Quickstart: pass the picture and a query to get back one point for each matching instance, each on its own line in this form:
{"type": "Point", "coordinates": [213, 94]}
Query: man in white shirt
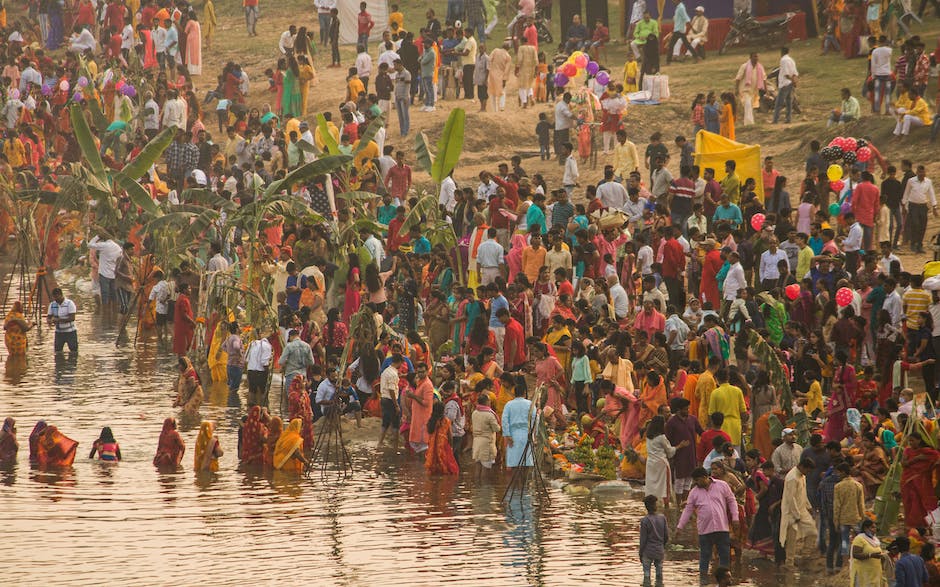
{"type": "Point", "coordinates": [30, 76]}
{"type": "Point", "coordinates": [286, 43]}
{"type": "Point", "coordinates": [893, 304]}
{"type": "Point", "coordinates": [257, 362]}
{"type": "Point", "coordinates": [364, 66]}
{"type": "Point", "coordinates": [490, 258]}
{"type": "Point", "coordinates": [82, 40]}
{"type": "Point", "coordinates": [217, 262]}
{"type": "Point", "coordinates": [918, 194]}
{"type": "Point", "coordinates": [677, 333]}
{"type": "Point", "coordinates": [448, 188]}
{"type": "Point", "coordinates": [611, 193]}
{"type": "Point", "coordinates": [644, 256]}
{"type": "Point", "coordinates": [786, 82]}
{"type": "Point", "coordinates": [634, 208]}
{"type": "Point", "coordinates": [881, 62]}
{"type": "Point", "coordinates": [734, 281]}
{"type": "Point", "coordinates": [487, 186]}
{"type": "Point", "coordinates": [564, 122]}
{"type": "Point", "coordinates": [388, 392]}
{"type": "Point", "coordinates": [323, 16]}
{"type": "Point", "coordinates": [174, 111]}
{"type": "Point", "coordinates": [374, 246]}
{"type": "Point", "coordinates": [389, 56]}
{"type": "Point", "coordinates": [618, 296]}
{"type": "Point", "coordinates": [852, 243]}
{"type": "Point", "coordinates": [570, 178]}
{"type": "Point", "coordinates": [768, 272]}
{"type": "Point", "coordinates": [109, 252]}
{"type": "Point", "coordinates": [62, 315]}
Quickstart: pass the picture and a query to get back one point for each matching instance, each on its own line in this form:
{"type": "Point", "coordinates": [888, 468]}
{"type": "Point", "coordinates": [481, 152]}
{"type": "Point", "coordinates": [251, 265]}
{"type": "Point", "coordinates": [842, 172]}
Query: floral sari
{"type": "Point", "coordinates": [52, 448]}
{"type": "Point", "coordinates": [275, 429]}
{"type": "Point", "coordinates": [917, 488]}
{"type": "Point", "coordinates": [16, 327]}
{"type": "Point", "coordinates": [206, 443]}
{"type": "Point", "coordinates": [298, 404]}
{"type": "Point", "coordinates": [289, 442]}
{"type": "Point", "coordinates": [440, 455]}
{"type": "Point", "coordinates": [189, 393]}
{"type": "Point", "coordinates": [254, 434]}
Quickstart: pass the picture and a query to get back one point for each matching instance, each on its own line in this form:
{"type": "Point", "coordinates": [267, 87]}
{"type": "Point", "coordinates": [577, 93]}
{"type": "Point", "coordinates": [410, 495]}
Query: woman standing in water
{"type": "Point", "coordinates": [106, 447]}
{"type": "Point", "coordinates": [8, 444]}
{"type": "Point", "coordinates": [16, 328]}
{"type": "Point", "coordinates": [440, 458]}
{"type": "Point", "coordinates": [275, 429]}
{"type": "Point", "coordinates": [170, 447]}
{"type": "Point", "coordinates": [254, 435]}
{"type": "Point", "coordinates": [188, 388]}
{"type": "Point", "coordinates": [208, 449]}
{"type": "Point", "coordinates": [289, 451]}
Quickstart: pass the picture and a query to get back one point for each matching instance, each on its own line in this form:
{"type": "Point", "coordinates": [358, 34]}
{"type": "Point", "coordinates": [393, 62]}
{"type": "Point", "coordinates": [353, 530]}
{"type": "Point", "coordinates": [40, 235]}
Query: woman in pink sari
{"type": "Point", "coordinates": [620, 403]}
{"type": "Point", "coordinates": [514, 257]}
{"type": "Point", "coordinates": [193, 45]}
{"type": "Point", "coordinates": [844, 384]}
{"type": "Point", "coordinates": [550, 373]}
{"type": "Point", "coordinates": [352, 296]}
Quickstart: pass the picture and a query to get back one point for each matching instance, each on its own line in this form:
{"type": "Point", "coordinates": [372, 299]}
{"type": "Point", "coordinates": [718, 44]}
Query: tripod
{"type": "Point", "coordinates": [329, 448]}
{"type": "Point", "coordinates": [33, 292]}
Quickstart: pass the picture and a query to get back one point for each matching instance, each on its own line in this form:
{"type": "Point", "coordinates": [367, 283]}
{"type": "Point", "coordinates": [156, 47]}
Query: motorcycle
{"type": "Point", "coordinates": [517, 25]}
{"type": "Point", "coordinates": [745, 29]}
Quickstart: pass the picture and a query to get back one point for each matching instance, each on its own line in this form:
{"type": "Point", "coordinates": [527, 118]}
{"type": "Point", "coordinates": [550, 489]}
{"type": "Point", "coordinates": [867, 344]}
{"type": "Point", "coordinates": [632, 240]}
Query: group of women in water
{"type": "Point", "coordinates": [263, 441]}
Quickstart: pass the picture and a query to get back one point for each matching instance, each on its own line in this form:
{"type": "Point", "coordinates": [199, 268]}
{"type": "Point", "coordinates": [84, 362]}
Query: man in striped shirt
{"type": "Point", "coordinates": [916, 301]}
{"type": "Point", "coordinates": [681, 194]}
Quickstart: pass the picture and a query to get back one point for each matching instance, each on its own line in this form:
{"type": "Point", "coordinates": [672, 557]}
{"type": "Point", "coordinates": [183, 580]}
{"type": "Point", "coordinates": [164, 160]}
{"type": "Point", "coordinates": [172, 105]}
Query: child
{"type": "Point", "coordinates": [654, 535]}
{"type": "Point", "coordinates": [353, 85]}
{"type": "Point", "coordinates": [631, 74]}
{"type": "Point", "coordinates": [581, 376]}
{"type": "Point", "coordinates": [349, 401]}
{"type": "Point", "coordinates": [160, 296]}
{"type": "Point", "coordinates": [541, 79]}
{"type": "Point", "coordinates": [334, 36]}
{"type": "Point", "coordinates": [814, 401]}
{"type": "Point", "coordinates": [543, 130]}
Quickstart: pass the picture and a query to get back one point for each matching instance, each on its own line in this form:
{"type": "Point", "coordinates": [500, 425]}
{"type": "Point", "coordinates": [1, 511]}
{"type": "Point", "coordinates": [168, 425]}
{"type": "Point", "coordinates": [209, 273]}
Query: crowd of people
{"type": "Point", "coordinates": [692, 323]}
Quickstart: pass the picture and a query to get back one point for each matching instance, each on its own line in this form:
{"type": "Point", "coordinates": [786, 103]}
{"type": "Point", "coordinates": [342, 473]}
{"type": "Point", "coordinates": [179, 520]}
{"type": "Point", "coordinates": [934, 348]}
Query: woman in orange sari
{"type": "Point", "coordinates": [254, 435]}
{"type": "Point", "coordinates": [170, 447]}
{"type": "Point", "coordinates": [917, 490]}
{"type": "Point", "coordinates": [652, 396]}
{"type": "Point", "coordinates": [298, 406]}
{"type": "Point", "coordinates": [208, 449]}
{"type": "Point", "coordinates": [50, 448]}
{"type": "Point", "coordinates": [16, 327]}
{"type": "Point", "coordinates": [440, 456]}
{"type": "Point", "coordinates": [726, 116]}
{"type": "Point", "coordinates": [288, 452]}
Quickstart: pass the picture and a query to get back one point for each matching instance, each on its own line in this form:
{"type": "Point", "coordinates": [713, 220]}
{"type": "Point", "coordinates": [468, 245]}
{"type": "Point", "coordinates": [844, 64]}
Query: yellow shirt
{"type": "Point", "coordinates": [396, 17]}
{"type": "Point", "coordinates": [920, 110]}
{"type": "Point", "coordinates": [15, 152]}
{"type": "Point", "coordinates": [353, 88]}
{"type": "Point", "coordinates": [366, 156]}
{"type": "Point", "coordinates": [626, 159]}
{"type": "Point", "coordinates": [334, 132]}
{"type": "Point", "coordinates": [814, 399]}
{"type": "Point", "coordinates": [631, 71]}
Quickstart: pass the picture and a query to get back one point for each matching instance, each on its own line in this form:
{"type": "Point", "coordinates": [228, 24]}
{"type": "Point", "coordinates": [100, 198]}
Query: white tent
{"type": "Point", "coordinates": [349, 21]}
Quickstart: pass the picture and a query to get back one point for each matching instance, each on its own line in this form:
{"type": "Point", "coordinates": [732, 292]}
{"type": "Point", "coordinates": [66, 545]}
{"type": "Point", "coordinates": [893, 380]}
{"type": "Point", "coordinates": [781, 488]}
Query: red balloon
{"type": "Point", "coordinates": [844, 297]}
{"type": "Point", "coordinates": [570, 69]}
{"type": "Point", "coordinates": [849, 144]}
{"type": "Point", "coordinates": [837, 185]}
{"type": "Point", "coordinates": [757, 221]}
{"type": "Point", "coordinates": [792, 291]}
{"type": "Point", "coordinates": [863, 154]}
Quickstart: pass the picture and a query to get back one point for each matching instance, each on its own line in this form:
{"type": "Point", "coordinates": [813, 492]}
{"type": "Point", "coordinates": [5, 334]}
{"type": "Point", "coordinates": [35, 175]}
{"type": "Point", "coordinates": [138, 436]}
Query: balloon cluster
{"type": "Point", "coordinates": [576, 64]}
{"type": "Point", "coordinates": [847, 149]}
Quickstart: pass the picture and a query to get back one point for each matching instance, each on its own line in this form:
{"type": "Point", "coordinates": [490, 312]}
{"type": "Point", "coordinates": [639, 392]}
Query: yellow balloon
{"type": "Point", "coordinates": [834, 173]}
{"type": "Point", "coordinates": [576, 54]}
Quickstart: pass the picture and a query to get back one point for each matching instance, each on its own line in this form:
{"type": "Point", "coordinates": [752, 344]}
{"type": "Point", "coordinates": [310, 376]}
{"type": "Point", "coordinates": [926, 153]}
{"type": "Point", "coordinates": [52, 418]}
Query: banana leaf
{"type": "Point", "coordinates": [86, 141]}
{"type": "Point", "coordinates": [175, 220]}
{"type": "Point", "coordinates": [138, 195]}
{"type": "Point", "coordinates": [369, 134]}
{"type": "Point", "coordinates": [330, 146]}
{"type": "Point", "coordinates": [357, 196]}
{"type": "Point", "coordinates": [449, 146]}
{"type": "Point", "coordinates": [308, 172]}
{"type": "Point", "coordinates": [425, 208]}
{"type": "Point", "coordinates": [423, 152]}
{"type": "Point", "coordinates": [204, 198]}
{"type": "Point", "coordinates": [101, 121]}
{"type": "Point", "coordinates": [150, 154]}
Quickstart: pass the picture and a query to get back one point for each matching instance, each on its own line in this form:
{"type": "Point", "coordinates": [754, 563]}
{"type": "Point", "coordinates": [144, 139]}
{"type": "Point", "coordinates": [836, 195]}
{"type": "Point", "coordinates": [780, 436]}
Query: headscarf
{"type": "Point", "coordinates": [253, 434]}
{"type": "Point", "coordinates": [289, 442]}
{"type": "Point", "coordinates": [203, 442]}
{"type": "Point", "coordinates": [275, 429]}
{"type": "Point", "coordinates": [167, 445]}
{"type": "Point", "coordinates": [8, 444]}
{"type": "Point", "coordinates": [8, 425]}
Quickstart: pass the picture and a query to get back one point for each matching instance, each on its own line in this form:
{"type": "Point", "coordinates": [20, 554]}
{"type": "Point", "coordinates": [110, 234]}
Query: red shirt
{"type": "Point", "coordinates": [515, 335]}
{"type": "Point", "coordinates": [365, 23]}
{"type": "Point", "coordinates": [114, 15]}
{"type": "Point", "coordinates": [565, 288]}
{"type": "Point", "coordinates": [673, 258]}
{"type": "Point", "coordinates": [769, 179]}
{"type": "Point", "coordinates": [114, 45]}
{"type": "Point", "coordinates": [394, 240]}
{"type": "Point", "coordinates": [86, 14]}
{"type": "Point", "coordinates": [865, 200]}
{"type": "Point", "coordinates": [705, 442]}
{"type": "Point", "coordinates": [531, 36]}
{"type": "Point", "coordinates": [398, 180]}
{"type": "Point", "coordinates": [146, 15]}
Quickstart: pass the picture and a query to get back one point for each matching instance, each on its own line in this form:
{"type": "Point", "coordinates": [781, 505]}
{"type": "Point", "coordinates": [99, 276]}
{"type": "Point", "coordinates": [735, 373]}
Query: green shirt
{"type": "Point", "coordinates": [850, 107]}
{"type": "Point", "coordinates": [644, 29]}
{"type": "Point", "coordinates": [731, 185]}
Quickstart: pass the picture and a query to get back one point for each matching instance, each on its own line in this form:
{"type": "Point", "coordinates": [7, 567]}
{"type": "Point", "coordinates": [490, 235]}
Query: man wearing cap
{"type": "Point", "coordinates": [698, 32]}
{"type": "Point", "coordinates": [788, 454]}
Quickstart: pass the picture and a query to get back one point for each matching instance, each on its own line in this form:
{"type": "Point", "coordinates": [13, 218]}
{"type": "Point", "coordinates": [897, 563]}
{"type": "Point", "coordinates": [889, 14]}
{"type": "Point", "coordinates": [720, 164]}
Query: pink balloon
{"type": "Point", "coordinates": [581, 61]}
{"type": "Point", "coordinates": [844, 297]}
{"type": "Point", "coordinates": [757, 221]}
{"type": "Point", "coordinates": [792, 291]}
{"type": "Point", "coordinates": [863, 154]}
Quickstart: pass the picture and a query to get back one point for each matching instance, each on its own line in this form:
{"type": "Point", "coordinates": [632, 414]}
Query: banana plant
{"type": "Point", "coordinates": [449, 147]}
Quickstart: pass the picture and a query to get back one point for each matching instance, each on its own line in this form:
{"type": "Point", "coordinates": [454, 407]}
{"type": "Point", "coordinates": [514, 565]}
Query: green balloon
{"type": "Point", "coordinates": [834, 209]}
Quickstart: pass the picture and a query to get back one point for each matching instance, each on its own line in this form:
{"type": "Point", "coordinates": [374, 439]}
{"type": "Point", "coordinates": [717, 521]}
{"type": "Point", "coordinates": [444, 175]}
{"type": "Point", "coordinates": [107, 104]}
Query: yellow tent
{"type": "Point", "coordinates": [713, 150]}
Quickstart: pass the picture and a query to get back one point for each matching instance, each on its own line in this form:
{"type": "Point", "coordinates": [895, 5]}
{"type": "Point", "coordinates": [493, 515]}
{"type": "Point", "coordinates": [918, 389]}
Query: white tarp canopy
{"type": "Point", "coordinates": [349, 19]}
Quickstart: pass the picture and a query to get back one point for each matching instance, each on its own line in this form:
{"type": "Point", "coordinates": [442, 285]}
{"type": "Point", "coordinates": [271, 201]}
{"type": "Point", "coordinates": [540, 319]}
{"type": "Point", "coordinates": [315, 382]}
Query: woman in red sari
{"type": "Point", "coordinates": [184, 324]}
{"type": "Point", "coordinates": [170, 448]}
{"type": "Point", "coordinates": [254, 435]}
{"type": "Point", "coordinates": [440, 456]}
{"type": "Point", "coordinates": [50, 448]}
{"type": "Point", "coordinates": [275, 428]}
{"type": "Point", "coordinates": [917, 490]}
{"type": "Point", "coordinates": [298, 406]}
{"type": "Point", "coordinates": [844, 384]}
{"type": "Point", "coordinates": [8, 444]}
{"type": "Point", "coordinates": [710, 268]}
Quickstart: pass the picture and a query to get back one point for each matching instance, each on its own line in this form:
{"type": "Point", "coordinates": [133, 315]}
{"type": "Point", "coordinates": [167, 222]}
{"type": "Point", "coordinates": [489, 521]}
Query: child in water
{"type": "Point", "coordinates": [654, 535]}
{"type": "Point", "coordinates": [106, 447]}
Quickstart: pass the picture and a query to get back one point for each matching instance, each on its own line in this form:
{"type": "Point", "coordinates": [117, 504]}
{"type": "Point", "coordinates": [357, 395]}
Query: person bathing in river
{"type": "Point", "coordinates": [106, 447]}
{"type": "Point", "coordinates": [188, 388]}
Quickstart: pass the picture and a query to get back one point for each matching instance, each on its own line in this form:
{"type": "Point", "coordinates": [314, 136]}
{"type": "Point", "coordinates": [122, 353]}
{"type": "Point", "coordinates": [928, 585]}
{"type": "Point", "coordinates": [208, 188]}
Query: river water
{"type": "Point", "coordinates": [389, 524]}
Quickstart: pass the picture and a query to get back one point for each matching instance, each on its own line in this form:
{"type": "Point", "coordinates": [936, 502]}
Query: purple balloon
{"type": "Point", "coordinates": [603, 78]}
{"type": "Point", "coordinates": [46, 90]}
{"type": "Point", "coordinates": [592, 68]}
{"type": "Point", "coordinates": [77, 96]}
{"type": "Point", "coordinates": [561, 80]}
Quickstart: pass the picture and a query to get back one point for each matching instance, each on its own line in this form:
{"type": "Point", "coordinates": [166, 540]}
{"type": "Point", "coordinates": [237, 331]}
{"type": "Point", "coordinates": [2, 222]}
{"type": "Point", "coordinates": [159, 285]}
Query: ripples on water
{"type": "Point", "coordinates": [388, 525]}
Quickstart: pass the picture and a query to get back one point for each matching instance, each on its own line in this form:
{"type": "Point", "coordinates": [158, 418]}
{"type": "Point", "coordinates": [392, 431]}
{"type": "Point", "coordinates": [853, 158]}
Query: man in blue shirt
{"type": "Point", "coordinates": [420, 245]}
{"type": "Point", "coordinates": [910, 570]}
{"type": "Point", "coordinates": [728, 212]}
{"type": "Point", "coordinates": [680, 24]}
{"type": "Point", "coordinates": [577, 35]}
